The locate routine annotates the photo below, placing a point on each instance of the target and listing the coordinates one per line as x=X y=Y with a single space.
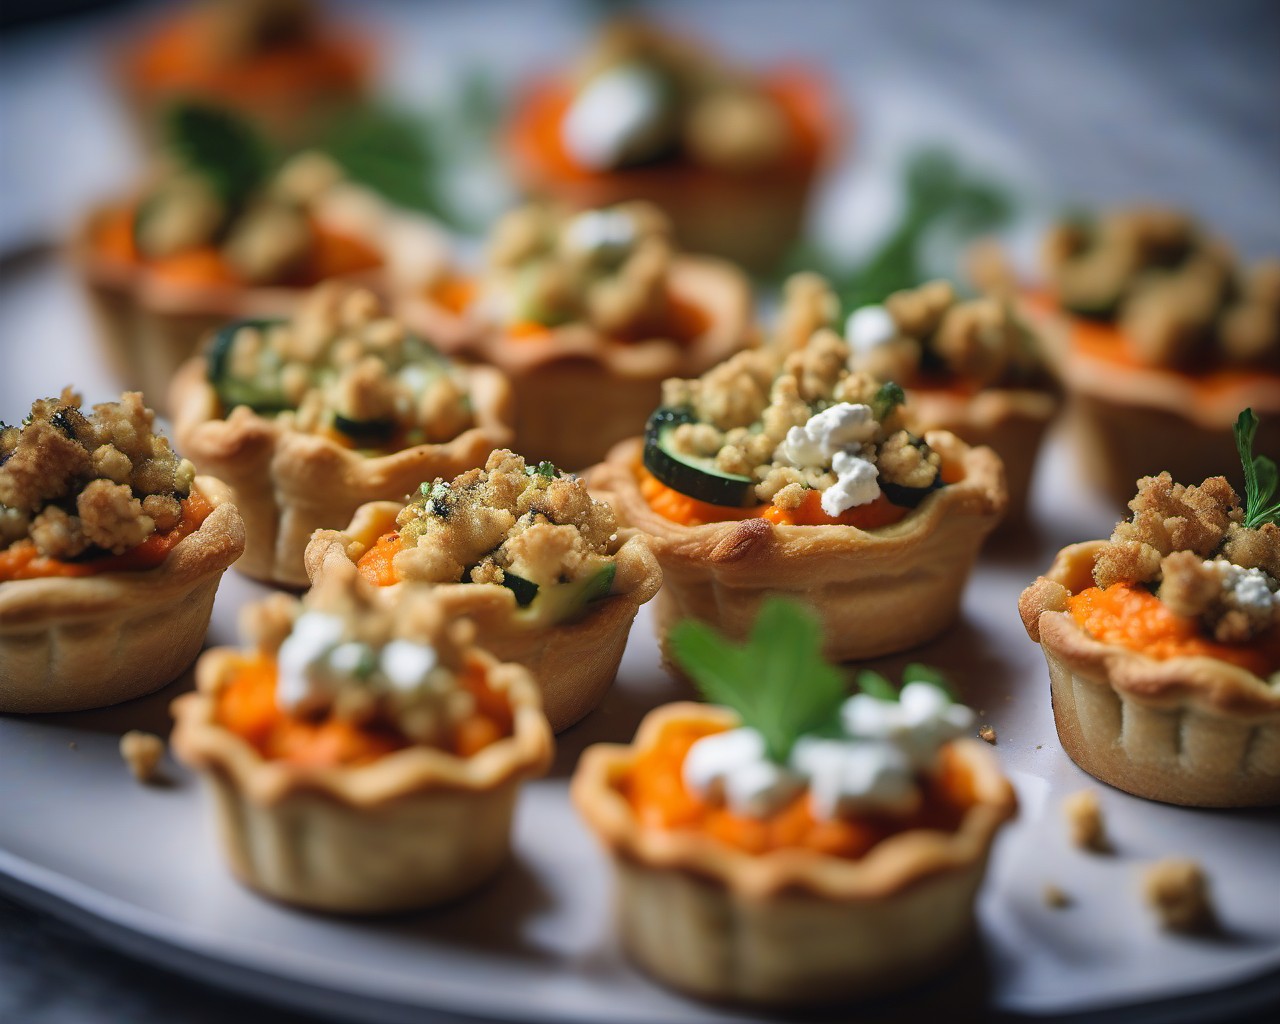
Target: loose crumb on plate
x=987 y=733
x=1084 y=821
x=1055 y=898
x=1177 y=889
x=142 y=752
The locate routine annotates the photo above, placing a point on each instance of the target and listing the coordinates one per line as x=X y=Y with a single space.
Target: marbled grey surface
x=1087 y=101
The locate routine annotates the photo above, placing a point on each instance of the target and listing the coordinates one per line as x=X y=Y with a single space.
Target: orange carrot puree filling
x=247 y=707
x=654 y=786
x=377 y=565
x=22 y=561
x=1136 y=619
x=680 y=508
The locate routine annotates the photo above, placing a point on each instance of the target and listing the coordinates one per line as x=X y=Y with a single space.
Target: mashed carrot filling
x=22 y=561
x=680 y=508
x=247 y=706
x=654 y=787
x=1134 y=618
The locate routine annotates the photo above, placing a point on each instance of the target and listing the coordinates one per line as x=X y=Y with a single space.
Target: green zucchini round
x=691 y=475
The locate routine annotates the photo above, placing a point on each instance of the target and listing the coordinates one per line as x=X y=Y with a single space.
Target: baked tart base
x=877 y=592
x=574 y=663
x=288 y=484
x=793 y=926
x=1190 y=730
x=71 y=644
x=413 y=829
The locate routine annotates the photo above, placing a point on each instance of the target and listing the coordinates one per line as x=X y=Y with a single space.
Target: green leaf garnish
x=888 y=398
x=873 y=684
x=778 y=681
x=544 y=469
x=219 y=146
x=1260 y=475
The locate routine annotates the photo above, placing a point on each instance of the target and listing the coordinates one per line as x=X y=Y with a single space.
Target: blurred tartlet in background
x=972 y=367
x=729 y=155
x=587 y=314
x=1160 y=335
x=274 y=61
x=225 y=231
x=307 y=419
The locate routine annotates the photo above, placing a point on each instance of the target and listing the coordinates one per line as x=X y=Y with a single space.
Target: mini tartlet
x=308 y=419
x=111 y=550
x=730 y=157
x=274 y=61
x=832 y=853
x=787 y=473
x=972 y=367
x=365 y=757
x=223 y=234
x=587 y=314
x=1163 y=647
x=527 y=555
x=1160 y=336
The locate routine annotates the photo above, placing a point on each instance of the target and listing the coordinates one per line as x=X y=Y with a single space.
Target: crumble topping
x=802 y=420
x=930 y=331
x=341 y=652
x=73 y=484
x=142 y=752
x=1177 y=889
x=343 y=363
x=643 y=95
x=534 y=522
x=608 y=268
x=1181 y=297
x=1188 y=542
x=1085 y=824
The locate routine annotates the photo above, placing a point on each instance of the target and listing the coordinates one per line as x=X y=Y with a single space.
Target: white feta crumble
x=857 y=483
x=407 y=665
x=301 y=658
x=873 y=766
x=1251 y=591
x=613 y=113
x=834 y=438
x=868 y=328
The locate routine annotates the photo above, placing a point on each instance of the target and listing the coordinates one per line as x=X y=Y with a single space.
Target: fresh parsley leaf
x=544 y=469
x=1260 y=475
x=778 y=681
x=220 y=146
x=873 y=684
x=888 y=398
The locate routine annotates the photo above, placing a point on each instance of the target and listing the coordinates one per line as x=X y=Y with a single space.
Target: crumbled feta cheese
x=867 y=328
x=407 y=665
x=840 y=428
x=614 y=112
x=1251 y=591
x=857 y=483
x=313 y=635
x=874 y=766
x=608 y=234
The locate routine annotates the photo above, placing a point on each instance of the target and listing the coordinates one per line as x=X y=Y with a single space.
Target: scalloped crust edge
x=71 y=644
x=413 y=829
x=793 y=926
x=1192 y=730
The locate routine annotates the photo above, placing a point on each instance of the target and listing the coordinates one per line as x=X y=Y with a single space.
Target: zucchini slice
x=524 y=590
x=365 y=433
x=233 y=391
x=910 y=497
x=690 y=474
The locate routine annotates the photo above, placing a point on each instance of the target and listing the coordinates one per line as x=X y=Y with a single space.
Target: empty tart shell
x=1132 y=421
x=876 y=592
x=574 y=663
x=74 y=643
x=791 y=926
x=1012 y=422
x=288 y=483
x=150 y=325
x=1186 y=730
x=414 y=828
x=751 y=217
x=579 y=392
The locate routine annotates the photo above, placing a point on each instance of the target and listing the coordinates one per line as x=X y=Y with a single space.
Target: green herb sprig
x=778 y=681
x=876 y=685
x=221 y=147
x=1260 y=475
